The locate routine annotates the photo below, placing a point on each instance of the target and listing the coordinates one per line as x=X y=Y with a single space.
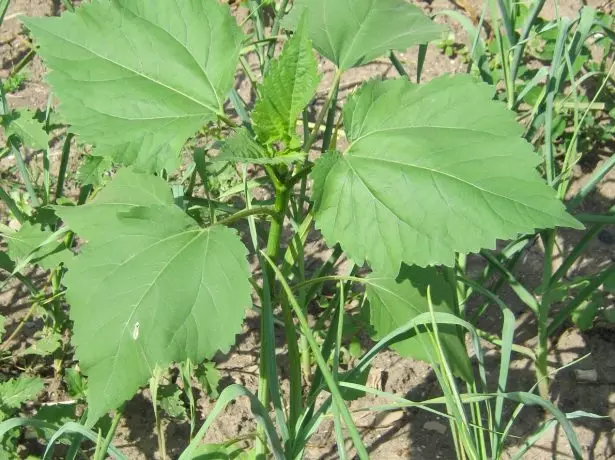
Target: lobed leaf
x=240 y=147
x=150 y=287
x=31 y=238
x=137 y=78
x=24 y=125
x=431 y=170
x=92 y=170
x=393 y=301
x=15 y=392
x=288 y=86
x=352 y=33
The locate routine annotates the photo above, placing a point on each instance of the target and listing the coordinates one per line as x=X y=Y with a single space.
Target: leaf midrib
x=441 y=173
x=149 y=288
x=147 y=77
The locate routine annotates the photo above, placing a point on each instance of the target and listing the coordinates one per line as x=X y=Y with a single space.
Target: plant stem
x=398 y=65
x=63 y=165
x=25 y=176
x=260 y=210
x=525 y=33
x=10 y=203
x=542 y=348
x=322 y=364
x=4 y=345
x=110 y=434
x=323 y=111
x=280 y=205
x=276 y=27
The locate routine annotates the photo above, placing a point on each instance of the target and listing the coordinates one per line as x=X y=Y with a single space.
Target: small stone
x=391 y=418
x=586 y=375
x=435 y=426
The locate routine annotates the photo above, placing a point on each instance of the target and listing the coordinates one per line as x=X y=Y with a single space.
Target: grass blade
x=229 y=394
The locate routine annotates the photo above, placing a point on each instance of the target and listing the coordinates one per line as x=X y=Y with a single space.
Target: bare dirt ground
x=396 y=435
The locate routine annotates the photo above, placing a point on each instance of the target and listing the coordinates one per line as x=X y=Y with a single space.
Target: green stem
x=580 y=298
x=525 y=33
x=110 y=434
x=326 y=140
x=324 y=279
x=542 y=349
x=323 y=111
x=63 y=165
x=5 y=343
x=276 y=27
x=398 y=65
x=273 y=252
x=260 y=210
x=322 y=364
x=10 y=203
x=23 y=172
x=591 y=184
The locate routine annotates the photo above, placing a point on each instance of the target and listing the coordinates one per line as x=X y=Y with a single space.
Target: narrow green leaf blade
x=352 y=33
x=288 y=86
x=150 y=287
x=29 y=131
x=137 y=78
x=393 y=301
x=431 y=170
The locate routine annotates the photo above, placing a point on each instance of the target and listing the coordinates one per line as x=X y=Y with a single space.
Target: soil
x=395 y=435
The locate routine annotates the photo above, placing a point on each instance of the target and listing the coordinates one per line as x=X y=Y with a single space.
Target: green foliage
x=351 y=33
x=92 y=170
x=45 y=345
x=23 y=125
x=32 y=240
x=456 y=157
x=15 y=392
x=241 y=147
x=137 y=300
x=209 y=378
x=221 y=452
x=170 y=401
x=14 y=82
x=394 y=301
x=150 y=73
x=429 y=173
x=288 y=86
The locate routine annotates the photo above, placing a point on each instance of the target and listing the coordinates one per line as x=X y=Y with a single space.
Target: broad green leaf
x=583 y=316
x=24 y=125
x=288 y=86
x=209 y=378
x=15 y=392
x=76 y=384
x=240 y=147
x=92 y=170
x=44 y=346
x=352 y=33
x=2 y=327
x=137 y=78
x=31 y=237
x=150 y=287
x=393 y=301
x=430 y=170
x=169 y=399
